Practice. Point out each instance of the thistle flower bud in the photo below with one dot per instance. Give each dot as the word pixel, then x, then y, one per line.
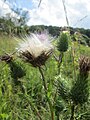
pixel 16 70
pixel 7 58
pixel 84 64
pixel 35 49
pixel 62 45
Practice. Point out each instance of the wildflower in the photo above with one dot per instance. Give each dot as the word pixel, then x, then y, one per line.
pixel 35 49
pixel 80 90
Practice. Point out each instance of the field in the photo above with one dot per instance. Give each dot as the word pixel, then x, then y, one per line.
pixel 22 90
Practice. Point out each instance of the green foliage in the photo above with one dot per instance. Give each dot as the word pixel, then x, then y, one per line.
pixel 16 70
pixel 19 105
pixel 80 91
pixel 59 107
pixel 62 45
pixel 63 90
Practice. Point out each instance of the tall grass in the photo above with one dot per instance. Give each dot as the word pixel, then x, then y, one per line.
pixel 27 100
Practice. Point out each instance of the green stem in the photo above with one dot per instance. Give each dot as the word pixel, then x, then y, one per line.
pixel 72 111
pixel 60 61
pixel 59 68
pixel 45 88
pixel 58 116
pixel 74 66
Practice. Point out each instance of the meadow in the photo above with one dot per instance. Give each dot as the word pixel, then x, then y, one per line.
pixel 22 88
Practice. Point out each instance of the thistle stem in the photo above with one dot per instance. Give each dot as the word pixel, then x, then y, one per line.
pixel 57 116
pixel 43 78
pixel 73 59
pixel 60 61
pixel 72 111
pixel 45 88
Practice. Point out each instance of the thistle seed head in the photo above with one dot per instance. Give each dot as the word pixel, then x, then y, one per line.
pixel 35 49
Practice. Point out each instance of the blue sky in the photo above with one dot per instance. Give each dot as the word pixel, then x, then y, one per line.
pixel 25 3
pixel 51 12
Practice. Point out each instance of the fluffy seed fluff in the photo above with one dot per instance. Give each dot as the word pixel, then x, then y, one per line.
pixel 35 48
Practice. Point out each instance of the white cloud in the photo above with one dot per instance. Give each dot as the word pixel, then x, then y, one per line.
pixel 51 12
pixel 5 10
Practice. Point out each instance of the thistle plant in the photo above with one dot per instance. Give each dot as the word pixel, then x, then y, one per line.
pixel 59 106
pixel 80 91
pixel 62 46
pixel 16 70
pixel 63 94
pixel 36 49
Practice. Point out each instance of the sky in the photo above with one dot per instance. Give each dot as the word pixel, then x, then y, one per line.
pixel 51 12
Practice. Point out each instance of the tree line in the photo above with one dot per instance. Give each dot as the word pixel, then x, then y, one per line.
pixel 10 27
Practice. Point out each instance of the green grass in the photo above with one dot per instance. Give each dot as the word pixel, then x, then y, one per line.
pixel 23 101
